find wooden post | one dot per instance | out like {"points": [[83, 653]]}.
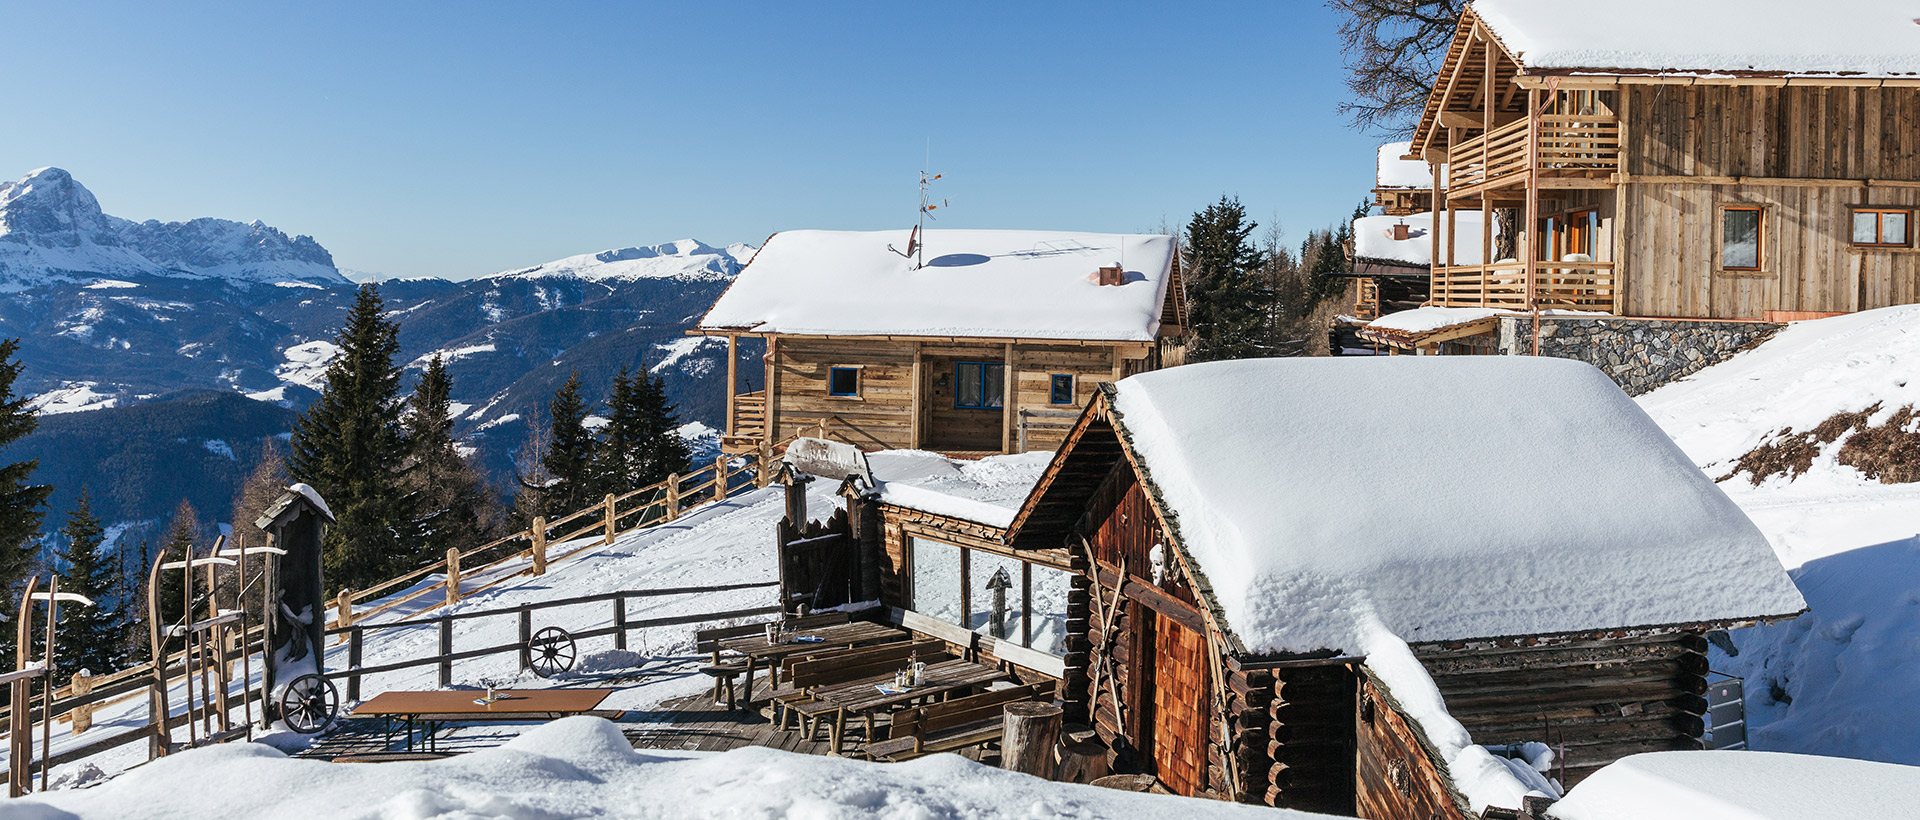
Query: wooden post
{"points": [[609, 523], [619, 623], [733, 382], [673, 496], [354, 640], [83, 714], [453, 575], [720, 478], [1083, 758], [1030, 730], [446, 649], [763, 469], [526, 639], [915, 398], [1009, 400], [343, 611], [539, 553]]}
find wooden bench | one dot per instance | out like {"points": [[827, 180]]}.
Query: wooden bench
{"points": [[953, 725], [841, 666], [725, 672]]}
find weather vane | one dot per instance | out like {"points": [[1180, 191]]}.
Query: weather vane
{"points": [[916, 249]]}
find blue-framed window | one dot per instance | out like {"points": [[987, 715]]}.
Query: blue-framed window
{"points": [[1060, 388], [980, 385], [843, 381]]}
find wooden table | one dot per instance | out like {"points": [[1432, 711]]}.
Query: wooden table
{"points": [[428, 711], [836, 636], [863, 697]]}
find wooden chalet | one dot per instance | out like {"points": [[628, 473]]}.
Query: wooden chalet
{"points": [[1755, 160], [1289, 602], [1402, 183], [957, 341]]}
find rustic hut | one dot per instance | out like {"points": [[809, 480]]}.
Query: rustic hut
{"points": [[1345, 595], [959, 341]]}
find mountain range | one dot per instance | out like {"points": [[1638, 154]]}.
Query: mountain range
{"points": [[113, 313]]}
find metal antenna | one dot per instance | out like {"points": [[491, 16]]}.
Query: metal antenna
{"points": [[916, 246]]}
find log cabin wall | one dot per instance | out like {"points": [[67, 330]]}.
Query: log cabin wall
{"points": [[1603, 696], [1311, 742], [1813, 148], [1394, 772], [881, 417]]}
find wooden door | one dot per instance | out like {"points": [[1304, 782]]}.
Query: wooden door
{"points": [[1181, 703]]}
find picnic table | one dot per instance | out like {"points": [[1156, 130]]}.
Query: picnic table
{"points": [[429, 711], [866, 697], [836, 636]]}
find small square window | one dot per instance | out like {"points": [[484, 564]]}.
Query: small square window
{"points": [[1740, 238], [1061, 391], [1883, 227], [843, 381]]}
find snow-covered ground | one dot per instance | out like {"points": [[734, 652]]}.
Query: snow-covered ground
{"points": [[1741, 786], [1844, 678]]}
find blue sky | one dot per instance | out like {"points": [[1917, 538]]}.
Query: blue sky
{"points": [[460, 139]]}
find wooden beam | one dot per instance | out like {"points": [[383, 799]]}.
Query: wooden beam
{"points": [[1153, 598], [1785, 182], [1584, 82], [1010, 398], [733, 380], [915, 427], [1462, 119]]}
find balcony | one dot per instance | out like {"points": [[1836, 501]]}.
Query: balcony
{"points": [[1584, 286], [1573, 151], [746, 423]]}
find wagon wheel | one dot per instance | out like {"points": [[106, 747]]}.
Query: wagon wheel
{"points": [[550, 652], [309, 704]]}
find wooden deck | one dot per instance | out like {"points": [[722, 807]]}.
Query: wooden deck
{"points": [[695, 724]]}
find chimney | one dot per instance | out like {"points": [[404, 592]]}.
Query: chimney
{"points": [[1108, 275], [1400, 232]]}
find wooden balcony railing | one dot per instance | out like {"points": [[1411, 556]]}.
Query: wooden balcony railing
{"points": [[1586, 286], [1570, 147], [748, 423]]}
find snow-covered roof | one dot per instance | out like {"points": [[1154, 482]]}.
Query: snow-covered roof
{"points": [[986, 491], [1437, 498], [1872, 38], [1373, 238], [1394, 172], [1428, 319], [1742, 786], [979, 284]]}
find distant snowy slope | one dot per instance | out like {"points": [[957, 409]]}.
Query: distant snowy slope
{"points": [[685, 258]]}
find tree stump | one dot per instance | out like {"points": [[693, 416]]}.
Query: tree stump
{"points": [[1083, 758], [83, 714], [1030, 731]]}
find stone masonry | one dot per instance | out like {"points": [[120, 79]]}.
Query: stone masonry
{"points": [[1638, 354]]}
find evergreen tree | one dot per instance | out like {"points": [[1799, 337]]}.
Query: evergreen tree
{"points": [[350, 446], [181, 534], [22, 505], [454, 505], [94, 637], [1227, 298], [617, 460], [569, 459], [641, 444]]}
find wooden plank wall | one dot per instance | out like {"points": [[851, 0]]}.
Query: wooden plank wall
{"points": [[881, 417], [953, 428], [1394, 776], [1602, 697], [1036, 364], [1670, 248]]}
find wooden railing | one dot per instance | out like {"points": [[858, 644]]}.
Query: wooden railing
{"points": [[1568, 146], [747, 422], [1586, 286], [1367, 305]]}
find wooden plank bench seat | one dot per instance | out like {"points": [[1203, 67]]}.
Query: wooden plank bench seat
{"points": [[795, 696], [391, 757], [725, 671], [953, 725]]}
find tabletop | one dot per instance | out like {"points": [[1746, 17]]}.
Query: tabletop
{"points": [[462, 702], [847, 634], [864, 695]]}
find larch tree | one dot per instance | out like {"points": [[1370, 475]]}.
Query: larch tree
{"points": [[1393, 52], [350, 445], [1227, 297], [94, 637], [453, 504], [22, 504], [263, 487], [570, 445]]}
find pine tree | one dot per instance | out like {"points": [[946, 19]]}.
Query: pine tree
{"points": [[350, 446], [570, 447], [453, 502], [641, 444], [179, 544], [94, 637], [22, 505], [1228, 300], [617, 460]]}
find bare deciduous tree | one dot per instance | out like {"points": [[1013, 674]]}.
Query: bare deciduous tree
{"points": [[1393, 49]]}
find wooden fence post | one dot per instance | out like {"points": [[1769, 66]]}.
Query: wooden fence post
{"points": [[453, 575], [446, 649], [763, 471], [619, 622], [354, 641], [673, 496], [720, 478], [1027, 737], [82, 714], [610, 520], [540, 545], [343, 611], [526, 639]]}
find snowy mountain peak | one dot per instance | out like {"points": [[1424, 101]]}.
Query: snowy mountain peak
{"points": [[682, 259], [52, 229]]}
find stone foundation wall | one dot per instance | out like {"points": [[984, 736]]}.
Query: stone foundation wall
{"points": [[1638, 354]]}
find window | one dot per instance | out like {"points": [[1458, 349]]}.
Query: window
{"points": [[1883, 227], [1061, 391], [1740, 238], [980, 385], [1564, 236], [1001, 597], [843, 381]]}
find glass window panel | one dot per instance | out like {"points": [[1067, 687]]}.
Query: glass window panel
{"points": [[936, 579], [1062, 389], [1048, 609], [1740, 238], [994, 384], [1893, 227], [967, 391], [843, 381], [1866, 227], [987, 571]]}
